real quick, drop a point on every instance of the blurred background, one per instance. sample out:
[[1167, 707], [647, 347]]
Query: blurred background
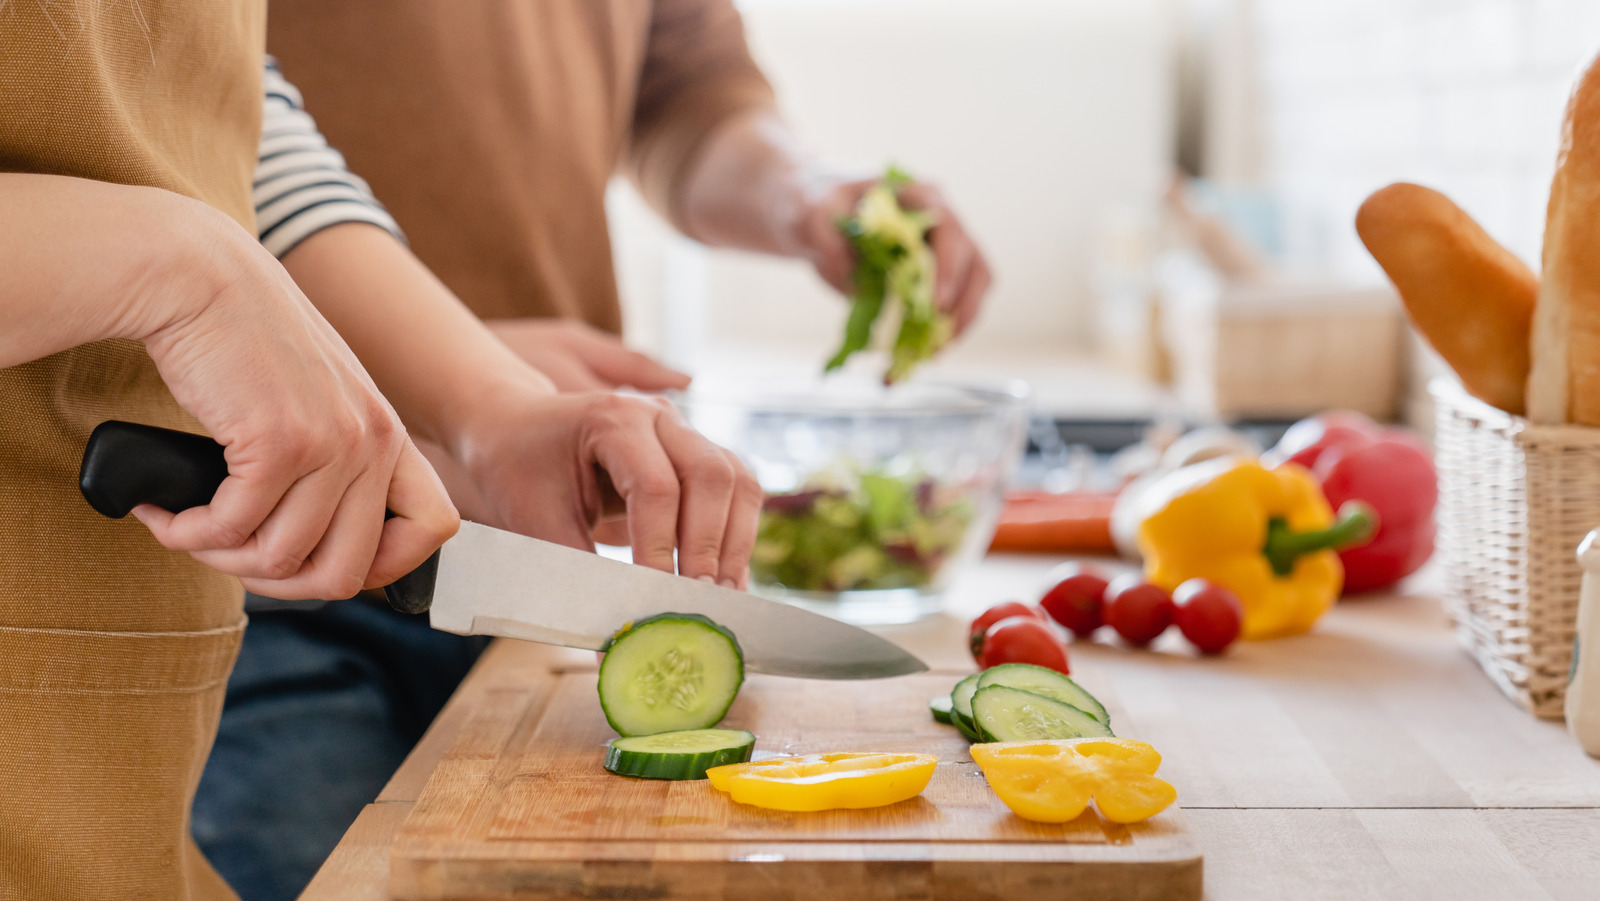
[[1166, 187]]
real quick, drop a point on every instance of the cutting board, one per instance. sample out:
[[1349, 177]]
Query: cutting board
[[519, 807]]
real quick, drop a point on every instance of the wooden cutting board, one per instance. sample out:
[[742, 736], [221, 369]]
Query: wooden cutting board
[[520, 807]]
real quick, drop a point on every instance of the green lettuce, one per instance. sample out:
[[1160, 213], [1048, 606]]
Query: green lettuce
[[864, 531], [895, 271]]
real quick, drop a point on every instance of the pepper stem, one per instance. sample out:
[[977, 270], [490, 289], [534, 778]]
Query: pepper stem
[[1356, 524]]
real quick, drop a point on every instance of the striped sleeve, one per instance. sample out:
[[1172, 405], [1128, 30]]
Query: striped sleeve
[[301, 184]]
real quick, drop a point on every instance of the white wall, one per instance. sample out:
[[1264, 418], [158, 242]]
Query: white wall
[[1036, 116], [1465, 96]]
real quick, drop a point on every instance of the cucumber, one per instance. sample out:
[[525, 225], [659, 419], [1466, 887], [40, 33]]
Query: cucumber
[[961, 706], [940, 708], [678, 755], [1011, 714], [1047, 682], [669, 673]]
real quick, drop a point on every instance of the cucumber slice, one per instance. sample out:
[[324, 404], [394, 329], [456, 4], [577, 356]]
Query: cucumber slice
[[961, 706], [1047, 682], [961, 695], [669, 673], [940, 708], [1011, 714], [967, 728], [678, 755]]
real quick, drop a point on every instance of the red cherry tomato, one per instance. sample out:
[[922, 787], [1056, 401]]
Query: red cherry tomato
[[1208, 615], [1075, 598], [993, 615], [1138, 610], [1023, 639]]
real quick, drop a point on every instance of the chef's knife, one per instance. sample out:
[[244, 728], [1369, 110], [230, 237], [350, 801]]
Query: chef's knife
[[486, 581]]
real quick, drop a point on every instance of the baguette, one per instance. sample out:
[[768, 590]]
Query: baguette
[[1472, 299], [1565, 383]]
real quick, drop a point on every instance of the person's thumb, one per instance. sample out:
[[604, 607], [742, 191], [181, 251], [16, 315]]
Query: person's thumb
[[622, 367]]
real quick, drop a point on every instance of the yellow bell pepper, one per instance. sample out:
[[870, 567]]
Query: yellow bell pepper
[[825, 781], [1268, 535], [1054, 781]]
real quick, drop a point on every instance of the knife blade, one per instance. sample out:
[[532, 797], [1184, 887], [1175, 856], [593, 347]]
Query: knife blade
[[494, 582]]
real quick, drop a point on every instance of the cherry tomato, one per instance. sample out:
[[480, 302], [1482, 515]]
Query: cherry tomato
[[1023, 639], [1138, 610], [993, 615], [1208, 615], [1075, 598]]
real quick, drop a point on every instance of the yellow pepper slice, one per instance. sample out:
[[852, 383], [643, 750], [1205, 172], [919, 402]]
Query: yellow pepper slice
[[825, 781], [1053, 781]]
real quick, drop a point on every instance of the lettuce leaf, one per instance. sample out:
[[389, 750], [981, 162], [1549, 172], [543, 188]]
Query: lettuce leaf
[[894, 271]]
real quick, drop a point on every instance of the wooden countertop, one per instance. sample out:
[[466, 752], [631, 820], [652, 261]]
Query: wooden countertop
[[1370, 759]]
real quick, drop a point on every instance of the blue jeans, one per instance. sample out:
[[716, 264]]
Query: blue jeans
[[322, 707]]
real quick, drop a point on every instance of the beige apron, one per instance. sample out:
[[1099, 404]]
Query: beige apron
[[114, 652]]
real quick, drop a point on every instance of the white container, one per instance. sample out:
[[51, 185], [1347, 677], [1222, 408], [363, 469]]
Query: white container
[[1583, 689]]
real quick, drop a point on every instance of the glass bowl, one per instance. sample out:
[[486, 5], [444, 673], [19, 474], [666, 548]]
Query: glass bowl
[[876, 497]]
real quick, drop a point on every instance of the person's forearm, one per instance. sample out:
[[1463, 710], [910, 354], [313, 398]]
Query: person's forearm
[[86, 260], [435, 361], [749, 184]]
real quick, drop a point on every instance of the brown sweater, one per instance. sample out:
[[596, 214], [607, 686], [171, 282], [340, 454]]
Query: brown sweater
[[490, 128]]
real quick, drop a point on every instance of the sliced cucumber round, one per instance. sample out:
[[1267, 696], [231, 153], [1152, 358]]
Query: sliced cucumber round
[[678, 755], [1011, 714], [1047, 682], [961, 706], [940, 708], [669, 673]]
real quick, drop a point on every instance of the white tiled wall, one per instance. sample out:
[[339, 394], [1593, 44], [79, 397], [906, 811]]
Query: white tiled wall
[[1462, 95]]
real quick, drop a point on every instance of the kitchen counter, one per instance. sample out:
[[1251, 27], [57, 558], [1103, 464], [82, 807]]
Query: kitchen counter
[[1370, 759]]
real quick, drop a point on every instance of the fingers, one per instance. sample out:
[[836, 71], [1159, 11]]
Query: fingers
[[242, 502], [707, 477], [423, 519], [831, 254], [629, 450], [337, 568], [963, 276], [826, 245], [682, 492], [612, 531], [744, 516], [326, 537], [579, 358], [570, 375], [293, 530], [970, 298], [613, 365]]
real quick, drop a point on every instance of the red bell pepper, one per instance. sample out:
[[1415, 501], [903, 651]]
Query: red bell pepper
[[1356, 459]]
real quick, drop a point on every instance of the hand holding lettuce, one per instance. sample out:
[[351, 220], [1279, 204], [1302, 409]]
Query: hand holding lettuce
[[895, 269]]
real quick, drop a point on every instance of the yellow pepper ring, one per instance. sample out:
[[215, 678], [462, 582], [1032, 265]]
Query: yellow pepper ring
[[1054, 781], [825, 781]]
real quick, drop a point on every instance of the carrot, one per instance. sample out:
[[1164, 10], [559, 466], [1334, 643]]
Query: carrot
[[1040, 522]]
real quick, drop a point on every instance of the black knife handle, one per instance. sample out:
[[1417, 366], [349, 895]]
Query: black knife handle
[[126, 464]]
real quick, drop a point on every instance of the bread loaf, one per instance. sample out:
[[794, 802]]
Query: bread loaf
[[1472, 299], [1565, 383]]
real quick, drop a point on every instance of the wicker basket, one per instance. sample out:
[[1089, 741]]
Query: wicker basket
[[1515, 500]]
